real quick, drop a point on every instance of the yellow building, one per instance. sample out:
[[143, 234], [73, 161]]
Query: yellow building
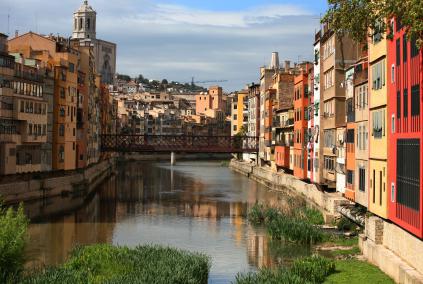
[[378, 147], [57, 53], [239, 118]]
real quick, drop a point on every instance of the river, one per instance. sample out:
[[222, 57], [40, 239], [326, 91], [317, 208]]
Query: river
[[197, 206]]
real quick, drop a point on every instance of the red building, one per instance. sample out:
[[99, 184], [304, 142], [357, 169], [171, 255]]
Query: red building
[[301, 103], [405, 133]]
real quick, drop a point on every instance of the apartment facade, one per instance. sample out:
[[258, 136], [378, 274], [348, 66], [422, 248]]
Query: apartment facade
[[24, 114], [378, 142], [57, 53], [301, 104], [405, 132], [317, 173], [361, 112], [337, 55], [350, 136]]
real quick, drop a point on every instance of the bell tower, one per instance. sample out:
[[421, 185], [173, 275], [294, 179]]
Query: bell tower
[[84, 22]]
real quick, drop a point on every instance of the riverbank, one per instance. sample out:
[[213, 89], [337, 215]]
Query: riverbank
[[396, 252], [41, 186]]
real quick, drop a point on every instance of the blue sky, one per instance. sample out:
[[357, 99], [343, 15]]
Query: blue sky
[[178, 39]]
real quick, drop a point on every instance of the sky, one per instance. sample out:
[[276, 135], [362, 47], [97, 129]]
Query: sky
[[180, 39]]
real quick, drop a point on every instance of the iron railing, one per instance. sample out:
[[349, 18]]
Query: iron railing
[[179, 143]]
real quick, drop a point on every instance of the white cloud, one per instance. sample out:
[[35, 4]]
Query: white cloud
[[177, 42]]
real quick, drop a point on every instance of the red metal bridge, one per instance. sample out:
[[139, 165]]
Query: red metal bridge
[[178, 143]]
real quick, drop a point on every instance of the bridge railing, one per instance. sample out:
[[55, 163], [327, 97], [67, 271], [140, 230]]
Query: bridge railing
[[178, 143]]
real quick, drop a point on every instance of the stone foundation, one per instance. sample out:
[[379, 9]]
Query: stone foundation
[[327, 203], [58, 185]]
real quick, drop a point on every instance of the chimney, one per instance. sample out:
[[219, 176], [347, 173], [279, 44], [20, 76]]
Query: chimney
[[274, 64], [16, 33], [287, 65]]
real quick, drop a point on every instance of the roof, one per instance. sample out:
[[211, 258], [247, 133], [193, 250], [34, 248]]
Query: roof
[[85, 8]]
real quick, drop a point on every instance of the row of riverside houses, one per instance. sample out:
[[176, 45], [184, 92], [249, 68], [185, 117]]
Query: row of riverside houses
[[350, 121], [54, 102]]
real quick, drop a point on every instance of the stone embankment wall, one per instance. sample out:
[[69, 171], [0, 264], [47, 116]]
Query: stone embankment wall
[[57, 185], [395, 251], [327, 203]]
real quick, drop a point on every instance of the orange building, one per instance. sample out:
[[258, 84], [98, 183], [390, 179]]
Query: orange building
[[57, 53], [268, 118], [213, 99], [301, 103]]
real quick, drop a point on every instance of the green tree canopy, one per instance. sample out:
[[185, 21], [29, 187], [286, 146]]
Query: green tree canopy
[[356, 16]]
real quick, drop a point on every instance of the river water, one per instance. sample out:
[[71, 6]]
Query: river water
[[197, 206]]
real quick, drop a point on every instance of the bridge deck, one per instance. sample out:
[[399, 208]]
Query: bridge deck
[[178, 143]]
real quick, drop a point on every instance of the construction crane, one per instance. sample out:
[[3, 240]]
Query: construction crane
[[207, 81]]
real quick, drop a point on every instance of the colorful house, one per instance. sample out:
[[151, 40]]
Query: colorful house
[[405, 133]]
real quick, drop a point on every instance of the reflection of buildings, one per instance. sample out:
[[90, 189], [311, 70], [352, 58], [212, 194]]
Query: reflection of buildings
[[258, 250]]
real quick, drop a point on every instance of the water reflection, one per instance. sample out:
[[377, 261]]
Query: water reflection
[[198, 206]]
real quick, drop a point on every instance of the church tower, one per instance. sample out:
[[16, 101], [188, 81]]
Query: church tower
[[84, 22]]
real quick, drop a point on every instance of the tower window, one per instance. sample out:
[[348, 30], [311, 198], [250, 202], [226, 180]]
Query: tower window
[[88, 24], [80, 23], [75, 24]]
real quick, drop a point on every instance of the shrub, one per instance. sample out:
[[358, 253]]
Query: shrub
[[313, 269], [345, 224], [312, 215], [256, 214], [295, 230], [144, 264], [13, 229]]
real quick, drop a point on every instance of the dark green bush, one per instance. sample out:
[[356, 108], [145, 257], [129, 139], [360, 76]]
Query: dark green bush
[[144, 264], [13, 234], [267, 276]]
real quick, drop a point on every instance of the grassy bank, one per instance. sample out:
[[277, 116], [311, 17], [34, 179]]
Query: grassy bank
[[357, 272], [144, 264]]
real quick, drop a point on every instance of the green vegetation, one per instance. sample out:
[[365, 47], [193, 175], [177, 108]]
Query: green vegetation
[[296, 226], [345, 224], [312, 269], [13, 228], [312, 215], [357, 272], [356, 16], [144, 264]]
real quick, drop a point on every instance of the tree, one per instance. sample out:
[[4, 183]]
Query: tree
[[165, 82], [123, 77], [355, 17]]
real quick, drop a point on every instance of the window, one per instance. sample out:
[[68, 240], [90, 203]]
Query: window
[[378, 75], [350, 177], [405, 105], [350, 136], [329, 138], [404, 49], [22, 109], [71, 67], [393, 73], [377, 33], [415, 100], [398, 52], [62, 111], [329, 78], [62, 93], [61, 154], [414, 48], [235, 117], [329, 164], [88, 24], [378, 124], [329, 48], [235, 127], [408, 173], [398, 104], [61, 130], [80, 23], [362, 179]]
